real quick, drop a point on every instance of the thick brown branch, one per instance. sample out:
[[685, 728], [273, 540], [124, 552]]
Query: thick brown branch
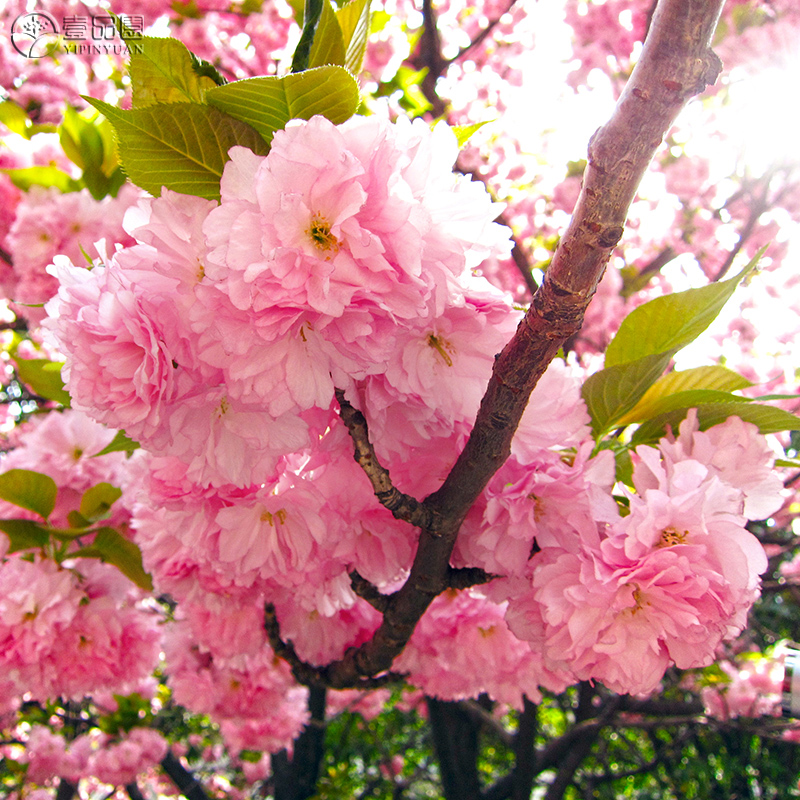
[[308, 674], [465, 577], [367, 591], [676, 63]]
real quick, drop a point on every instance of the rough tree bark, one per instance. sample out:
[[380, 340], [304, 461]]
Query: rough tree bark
[[676, 64]]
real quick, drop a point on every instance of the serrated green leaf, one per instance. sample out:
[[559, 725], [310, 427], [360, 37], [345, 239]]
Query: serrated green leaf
[[180, 146], [98, 499], [162, 71], [354, 20], [714, 377], [673, 321], [43, 377], [23, 534], [768, 419], [26, 177], [612, 392], [463, 132], [329, 46], [28, 489], [119, 443], [268, 103], [115, 549]]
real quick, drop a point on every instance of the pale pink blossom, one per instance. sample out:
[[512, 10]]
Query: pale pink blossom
[[738, 454]]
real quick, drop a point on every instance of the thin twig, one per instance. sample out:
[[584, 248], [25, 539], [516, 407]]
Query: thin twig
[[481, 36], [403, 506]]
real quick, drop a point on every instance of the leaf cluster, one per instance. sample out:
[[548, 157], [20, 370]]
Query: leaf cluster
[[185, 118], [632, 389]]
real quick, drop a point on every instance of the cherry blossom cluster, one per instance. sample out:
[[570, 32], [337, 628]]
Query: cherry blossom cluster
[[344, 259]]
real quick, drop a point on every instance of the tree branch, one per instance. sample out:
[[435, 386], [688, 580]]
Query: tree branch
[[402, 506], [676, 63], [186, 782]]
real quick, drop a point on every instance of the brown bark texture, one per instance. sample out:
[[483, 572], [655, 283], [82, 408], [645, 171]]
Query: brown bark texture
[[675, 65]]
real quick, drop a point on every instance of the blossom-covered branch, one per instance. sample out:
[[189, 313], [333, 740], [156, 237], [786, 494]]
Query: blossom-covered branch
[[676, 64]]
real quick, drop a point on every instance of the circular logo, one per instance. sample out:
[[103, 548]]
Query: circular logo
[[35, 35]]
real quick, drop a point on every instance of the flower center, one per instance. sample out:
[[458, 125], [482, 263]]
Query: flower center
[[270, 518], [670, 537], [320, 234]]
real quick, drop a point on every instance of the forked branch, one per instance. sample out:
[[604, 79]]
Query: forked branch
[[676, 64]]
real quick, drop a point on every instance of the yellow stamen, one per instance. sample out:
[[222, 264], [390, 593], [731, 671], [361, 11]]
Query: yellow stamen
[[320, 233], [670, 537], [441, 346]]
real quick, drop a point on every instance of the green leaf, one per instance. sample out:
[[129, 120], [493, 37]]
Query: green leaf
[[24, 534], [329, 45], [88, 144], [354, 21], [612, 392], [788, 462], [13, 116], [78, 522], [79, 138], [268, 103], [98, 499], [768, 419], [120, 442], [673, 321], [26, 177], [180, 146], [114, 548], [714, 377], [682, 400], [28, 489], [463, 132], [43, 377], [298, 8], [163, 71]]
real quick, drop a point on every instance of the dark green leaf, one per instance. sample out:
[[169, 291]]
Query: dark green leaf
[[77, 521], [312, 11], [23, 534], [28, 489], [120, 442], [98, 499], [612, 392], [113, 548]]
